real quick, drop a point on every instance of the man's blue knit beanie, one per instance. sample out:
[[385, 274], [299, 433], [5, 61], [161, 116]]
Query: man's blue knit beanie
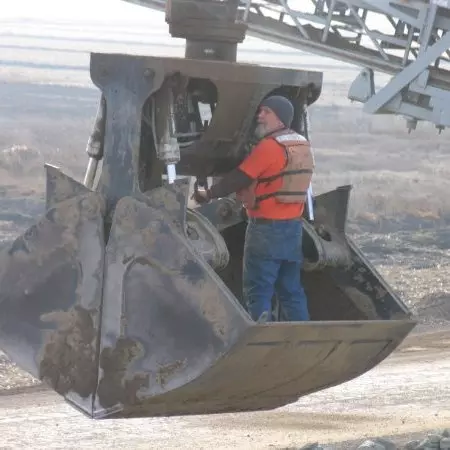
[[282, 107]]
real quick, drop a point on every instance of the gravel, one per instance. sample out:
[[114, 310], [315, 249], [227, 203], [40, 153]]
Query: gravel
[[12, 377], [436, 441], [415, 264]]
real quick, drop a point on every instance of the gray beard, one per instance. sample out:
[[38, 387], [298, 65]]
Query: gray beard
[[260, 131]]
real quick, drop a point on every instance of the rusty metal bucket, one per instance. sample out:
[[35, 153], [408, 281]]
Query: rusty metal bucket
[[145, 327]]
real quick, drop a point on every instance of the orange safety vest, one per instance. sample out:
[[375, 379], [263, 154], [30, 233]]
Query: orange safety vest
[[296, 174]]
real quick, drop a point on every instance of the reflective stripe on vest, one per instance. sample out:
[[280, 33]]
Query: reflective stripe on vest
[[297, 171]]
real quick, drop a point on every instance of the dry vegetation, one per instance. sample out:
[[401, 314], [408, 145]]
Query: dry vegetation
[[399, 180]]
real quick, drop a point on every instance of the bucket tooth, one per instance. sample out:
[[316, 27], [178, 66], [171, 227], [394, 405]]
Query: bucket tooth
[[171, 200], [167, 316], [325, 244], [60, 187], [332, 208], [51, 280]]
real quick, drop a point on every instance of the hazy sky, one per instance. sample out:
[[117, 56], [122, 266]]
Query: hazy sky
[[100, 10], [75, 10], [105, 12]]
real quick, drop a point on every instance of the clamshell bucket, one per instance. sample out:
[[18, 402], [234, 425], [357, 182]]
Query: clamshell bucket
[[128, 303]]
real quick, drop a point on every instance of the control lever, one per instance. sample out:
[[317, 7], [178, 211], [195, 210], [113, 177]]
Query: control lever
[[201, 182]]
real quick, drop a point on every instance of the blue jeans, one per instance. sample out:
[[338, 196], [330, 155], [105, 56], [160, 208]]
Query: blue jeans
[[272, 262]]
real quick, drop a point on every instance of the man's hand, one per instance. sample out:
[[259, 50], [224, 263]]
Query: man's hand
[[201, 196]]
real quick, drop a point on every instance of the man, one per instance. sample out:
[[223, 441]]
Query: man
[[272, 183]]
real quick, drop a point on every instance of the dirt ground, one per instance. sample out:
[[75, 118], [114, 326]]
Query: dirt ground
[[403, 398], [399, 216]]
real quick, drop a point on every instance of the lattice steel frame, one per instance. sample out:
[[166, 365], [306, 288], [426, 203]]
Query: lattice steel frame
[[415, 51]]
